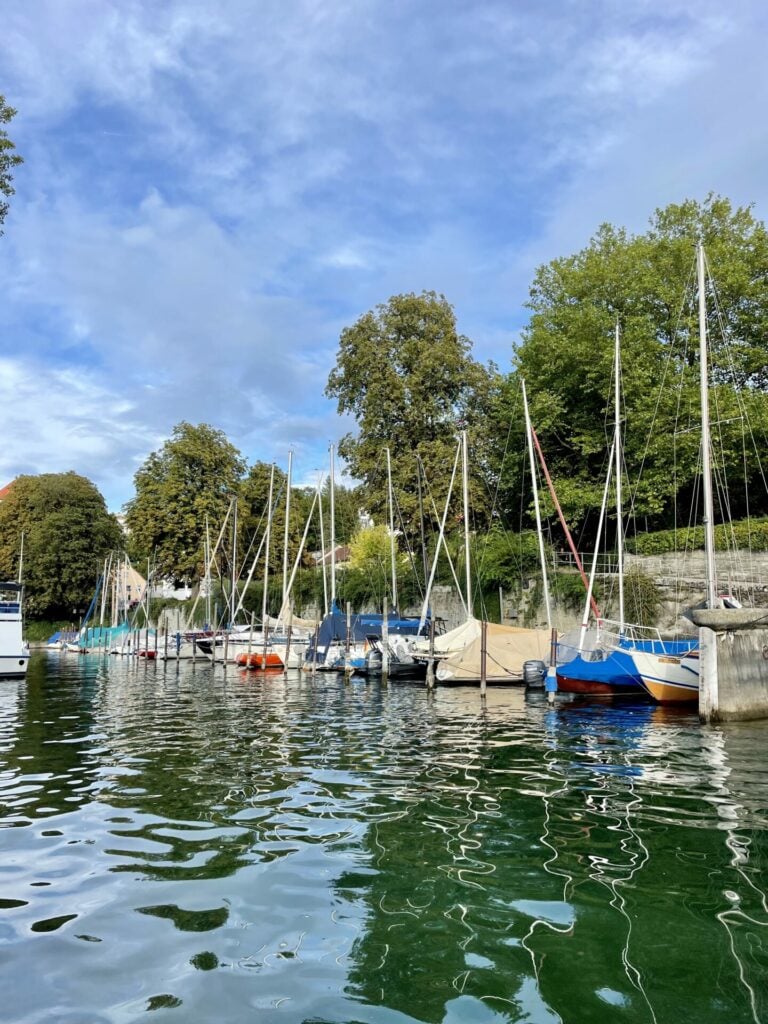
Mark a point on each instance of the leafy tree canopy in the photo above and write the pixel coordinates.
(9, 159)
(647, 283)
(68, 532)
(407, 376)
(195, 474)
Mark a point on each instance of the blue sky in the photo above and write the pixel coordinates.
(212, 191)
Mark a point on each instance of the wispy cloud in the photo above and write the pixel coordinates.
(211, 193)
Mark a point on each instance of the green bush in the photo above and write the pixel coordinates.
(747, 534)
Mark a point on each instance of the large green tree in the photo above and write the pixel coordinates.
(195, 474)
(67, 534)
(9, 159)
(408, 378)
(646, 283)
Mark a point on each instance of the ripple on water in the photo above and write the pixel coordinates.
(222, 847)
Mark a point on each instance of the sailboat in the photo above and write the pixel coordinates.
(503, 650)
(671, 679)
(608, 668)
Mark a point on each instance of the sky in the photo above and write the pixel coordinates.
(212, 191)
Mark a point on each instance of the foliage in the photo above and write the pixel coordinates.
(568, 591)
(751, 535)
(8, 159)
(68, 532)
(566, 358)
(41, 629)
(508, 559)
(195, 474)
(406, 375)
(642, 598)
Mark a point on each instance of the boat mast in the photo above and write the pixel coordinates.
(440, 540)
(322, 544)
(233, 594)
(590, 601)
(287, 525)
(333, 532)
(617, 456)
(706, 463)
(539, 533)
(207, 574)
(421, 519)
(391, 530)
(266, 553)
(468, 567)
(21, 556)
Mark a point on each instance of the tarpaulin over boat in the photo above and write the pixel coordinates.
(453, 641)
(333, 628)
(296, 623)
(507, 649)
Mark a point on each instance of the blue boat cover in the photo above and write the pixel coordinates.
(334, 628)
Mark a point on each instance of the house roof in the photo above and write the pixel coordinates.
(5, 491)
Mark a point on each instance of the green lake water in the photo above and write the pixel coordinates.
(180, 844)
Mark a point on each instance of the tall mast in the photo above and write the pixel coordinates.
(706, 463)
(287, 526)
(534, 484)
(21, 557)
(333, 531)
(468, 567)
(322, 544)
(207, 574)
(391, 530)
(421, 520)
(233, 594)
(266, 552)
(617, 456)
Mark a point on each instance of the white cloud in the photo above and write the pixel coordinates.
(212, 192)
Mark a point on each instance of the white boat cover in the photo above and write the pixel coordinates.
(296, 623)
(507, 649)
(451, 642)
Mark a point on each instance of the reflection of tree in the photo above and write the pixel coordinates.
(446, 852)
(47, 752)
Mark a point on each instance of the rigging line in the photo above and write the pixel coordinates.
(499, 478)
(445, 545)
(409, 550)
(732, 364)
(660, 392)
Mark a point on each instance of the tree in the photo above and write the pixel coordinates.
(407, 376)
(68, 532)
(195, 474)
(644, 282)
(8, 159)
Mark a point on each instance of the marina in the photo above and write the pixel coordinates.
(209, 843)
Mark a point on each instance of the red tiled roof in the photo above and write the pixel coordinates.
(4, 491)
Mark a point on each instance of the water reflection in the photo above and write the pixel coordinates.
(223, 845)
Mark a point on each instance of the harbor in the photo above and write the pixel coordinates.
(209, 843)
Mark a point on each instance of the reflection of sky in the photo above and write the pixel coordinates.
(358, 852)
(247, 180)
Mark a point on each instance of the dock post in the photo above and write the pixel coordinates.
(348, 642)
(265, 632)
(226, 649)
(385, 643)
(431, 661)
(288, 638)
(550, 682)
(483, 658)
(313, 667)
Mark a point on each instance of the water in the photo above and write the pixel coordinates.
(203, 847)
